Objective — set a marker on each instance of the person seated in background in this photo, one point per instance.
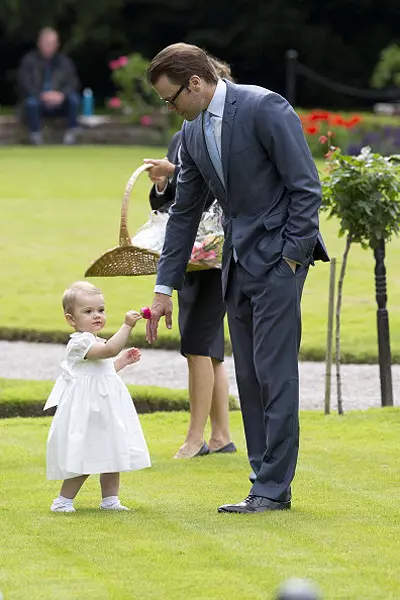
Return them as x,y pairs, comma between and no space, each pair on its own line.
48,85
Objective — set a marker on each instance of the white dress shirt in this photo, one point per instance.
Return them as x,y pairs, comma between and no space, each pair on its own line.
216,107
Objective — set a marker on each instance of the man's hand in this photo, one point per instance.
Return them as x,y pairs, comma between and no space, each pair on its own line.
291,264
161,183
52,97
162,306
162,168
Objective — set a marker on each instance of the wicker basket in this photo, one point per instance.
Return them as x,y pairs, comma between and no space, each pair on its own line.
127,259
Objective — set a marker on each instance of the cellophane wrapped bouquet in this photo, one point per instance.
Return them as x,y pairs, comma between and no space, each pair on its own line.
207,248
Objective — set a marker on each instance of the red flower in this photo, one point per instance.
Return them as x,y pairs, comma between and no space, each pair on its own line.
145,312
312,130
323,139
319,116
352,122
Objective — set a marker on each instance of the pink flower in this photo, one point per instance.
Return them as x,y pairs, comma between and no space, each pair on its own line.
123,61
146,120
115,102
114,64
145,312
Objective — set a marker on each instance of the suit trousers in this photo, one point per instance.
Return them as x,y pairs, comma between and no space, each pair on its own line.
265,328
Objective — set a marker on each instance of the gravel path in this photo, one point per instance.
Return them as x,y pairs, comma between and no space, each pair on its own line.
167,368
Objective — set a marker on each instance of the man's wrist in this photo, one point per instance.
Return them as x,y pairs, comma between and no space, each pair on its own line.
163,289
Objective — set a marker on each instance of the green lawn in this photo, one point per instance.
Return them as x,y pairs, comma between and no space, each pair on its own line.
343,531
60,210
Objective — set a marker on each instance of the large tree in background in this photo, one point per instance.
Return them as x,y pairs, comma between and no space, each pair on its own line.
341,39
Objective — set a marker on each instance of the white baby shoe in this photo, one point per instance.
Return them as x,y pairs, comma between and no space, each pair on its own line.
114,505
60,506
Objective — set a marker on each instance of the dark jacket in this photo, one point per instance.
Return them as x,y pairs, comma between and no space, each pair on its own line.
271,196
31,74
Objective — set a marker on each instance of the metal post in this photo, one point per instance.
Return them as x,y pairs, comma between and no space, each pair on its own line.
291,59
329,339
385,359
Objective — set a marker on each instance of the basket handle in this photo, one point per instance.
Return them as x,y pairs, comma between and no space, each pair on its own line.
124,237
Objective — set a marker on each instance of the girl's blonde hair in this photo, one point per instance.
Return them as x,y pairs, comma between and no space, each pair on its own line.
70,294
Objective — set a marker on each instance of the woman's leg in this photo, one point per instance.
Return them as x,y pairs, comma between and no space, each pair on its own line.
219,413
201,384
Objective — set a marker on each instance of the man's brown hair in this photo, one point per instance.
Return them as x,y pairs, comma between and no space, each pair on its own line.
179,62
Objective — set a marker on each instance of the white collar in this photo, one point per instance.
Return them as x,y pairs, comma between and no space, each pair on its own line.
217,104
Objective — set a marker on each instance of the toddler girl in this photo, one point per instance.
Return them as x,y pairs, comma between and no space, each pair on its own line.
96,428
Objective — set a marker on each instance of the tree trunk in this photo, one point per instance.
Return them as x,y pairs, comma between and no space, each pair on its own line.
338,309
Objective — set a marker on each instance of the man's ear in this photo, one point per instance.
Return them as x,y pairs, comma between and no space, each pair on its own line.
194,83
70,319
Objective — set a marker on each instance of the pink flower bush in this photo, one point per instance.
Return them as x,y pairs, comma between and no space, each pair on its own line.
146,120
123,61
115,102
120,62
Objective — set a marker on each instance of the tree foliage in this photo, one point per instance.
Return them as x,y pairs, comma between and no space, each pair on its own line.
364,193
336,37
387,71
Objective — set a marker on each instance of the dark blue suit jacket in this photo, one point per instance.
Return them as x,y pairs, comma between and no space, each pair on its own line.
272,192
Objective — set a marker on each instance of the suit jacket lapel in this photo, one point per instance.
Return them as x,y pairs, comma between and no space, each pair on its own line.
227,125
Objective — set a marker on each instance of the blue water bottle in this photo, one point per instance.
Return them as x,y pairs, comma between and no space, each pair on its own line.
87,102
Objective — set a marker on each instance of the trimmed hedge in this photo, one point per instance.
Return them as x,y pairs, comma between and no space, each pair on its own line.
25,398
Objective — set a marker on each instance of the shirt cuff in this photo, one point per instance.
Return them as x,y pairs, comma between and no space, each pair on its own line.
162,192
163,289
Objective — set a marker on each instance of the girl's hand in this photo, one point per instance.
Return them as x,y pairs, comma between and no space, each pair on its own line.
132,317
131,356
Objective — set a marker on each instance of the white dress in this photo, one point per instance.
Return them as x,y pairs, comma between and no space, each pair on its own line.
96,428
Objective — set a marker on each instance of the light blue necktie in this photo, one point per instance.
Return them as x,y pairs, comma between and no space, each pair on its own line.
212,145
212,148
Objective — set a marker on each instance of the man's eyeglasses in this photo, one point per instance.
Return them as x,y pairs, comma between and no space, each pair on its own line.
171,101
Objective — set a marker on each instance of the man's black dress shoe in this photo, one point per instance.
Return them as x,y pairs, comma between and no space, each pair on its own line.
254,504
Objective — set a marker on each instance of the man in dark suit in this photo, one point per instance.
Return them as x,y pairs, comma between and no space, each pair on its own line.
246,144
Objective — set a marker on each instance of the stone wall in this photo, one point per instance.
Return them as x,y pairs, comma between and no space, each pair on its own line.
98,129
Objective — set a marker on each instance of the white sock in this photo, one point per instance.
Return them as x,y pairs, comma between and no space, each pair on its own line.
66,501
109,500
